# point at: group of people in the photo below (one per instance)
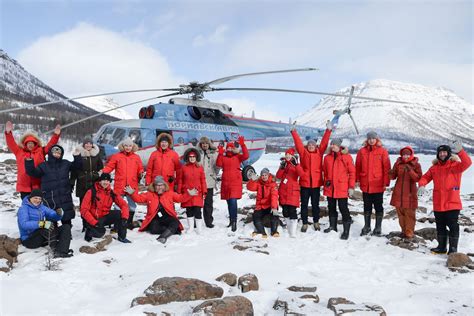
(46, 186)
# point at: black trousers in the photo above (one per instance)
(448, 219)
(208, 207)
(24, 194)
(306, 194)
(194, 211)
(258, 220)
(59, 238)
(289, 211)
(114, 217)
(343, 208)
(159, 225)
(375, 200)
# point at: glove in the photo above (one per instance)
(421, 191)
(8, 127)
(193, 192)
(76, 152)
(283, 164)
(275, 212)
(254, 177)
(220, 149)
(457, 146)
(170, 179)
(45, 224)
(59, 211)
(241, 140)
(351, 192)
(129, 190)
(293, 161)
(329, 125)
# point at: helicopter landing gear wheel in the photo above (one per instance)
(247, 173)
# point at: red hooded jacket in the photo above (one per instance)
(289, 190)
(339, 173)
(163, 163)
(192, 176)
(372, 167)
(231, 186)
(267, 193)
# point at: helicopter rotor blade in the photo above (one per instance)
(84, 97)
(308, 92)
(115, 108)
(353, 122)
(225, 79)
(351, 94)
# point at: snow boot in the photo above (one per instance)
(441, 249)
(190, 225)
(230, 223)
(332, 225)
(378, 225)
(199, 226)
(453, 245)
(130, 221)
(164, 236)
(62, 255)
(317, 227)
(124, 240)
(259, 229)
(304, 228)
(233, 224)
(292, 226)
(274, 227)
(366, 229)
(347, 228)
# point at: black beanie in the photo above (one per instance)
(105, 176)
(443, 148)
(36, 192)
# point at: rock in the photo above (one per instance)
(100, 246)
(422, 209)
(8, 251)
(357, 196)
(428, 233)
(342, 306)
(333, 301)
(468, 230)
(391, 214)
(458, 260)
(177, 289)
(315, 298)
(295, 288)
(280, 305)
(248, 282)
(430, 220)
(10, 162)
(230, 305)
(228, 278)
(465, 221)
(404, 243)
(394, 234)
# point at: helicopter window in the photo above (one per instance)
(195, 112)
(106, 135)
(119, 134)
(180, 140)
(135, 135)
(194, 141)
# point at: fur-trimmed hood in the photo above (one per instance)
(162, 136)
(344, 150)
(205, 140)
(151, 187)
(378, 143)
(185, 156)
(88, 153)
(453, 157)
(121, 149)
(29, 136)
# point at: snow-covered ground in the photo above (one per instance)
(361, 269)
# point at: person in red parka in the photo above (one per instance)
(231, 186)
(192, 177)
(446, 173)
(96, 210)
(161, 217)
(372, 167)
(29, 147)
(128, 171)
(267, 202)
(339, 182)
(407, 172)
(289, 189)
(164, 161)
(311, 158)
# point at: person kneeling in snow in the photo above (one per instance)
(161, 217)
(339, 181)
(37, 227)
(96, 210)
(446, 173)
(267, 202)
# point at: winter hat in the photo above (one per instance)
(127, 142)
(56, 149)
(36, 192)
(372, 135)
(105, 176)
(290, 151)
(159, 180)
(443, 148)
(87, 140)
(192, 154)
(336, 141)
(264, 171)
(311, 142)
(230, 145)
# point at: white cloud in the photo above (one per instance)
(218, 36)
(88, 59)
(245, 107)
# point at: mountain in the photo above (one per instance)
(104, 103)
(19, 88)
(433, 116)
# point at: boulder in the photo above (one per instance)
(430, 220)
(343, 306)
(315, 298)
(405, 243)
(228, 278)
(8, 251)
(458, 262)
(357, 196)
(428, 233)
(297, 288)
(248, 282)
(100, 246)
(230, 305)
(177, 289)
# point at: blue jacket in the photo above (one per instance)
(30, 215)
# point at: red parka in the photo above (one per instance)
(91, 211)
(372, 167)
(339, 173)
(311, 162)
(267, 193)
(193, 177)
(153, 202)
(446, 178)
(25, 183)
(231, 186)
(128, 168)
(289, 189)
(407, 173)
(163, 163)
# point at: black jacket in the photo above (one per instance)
(84, 178)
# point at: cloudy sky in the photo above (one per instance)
(92, 46)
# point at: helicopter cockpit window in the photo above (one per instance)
(135, 135)
(119, 134)
(106, 135)
(180, 140)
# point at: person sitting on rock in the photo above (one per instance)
(161, 217)
(29, 147)
(267, 202)
(446, 173)
(38, 227)
(96, 210)
(407, 172)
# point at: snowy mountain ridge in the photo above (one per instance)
(433, 116)
(104, 103)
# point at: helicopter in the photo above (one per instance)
(188, 119)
